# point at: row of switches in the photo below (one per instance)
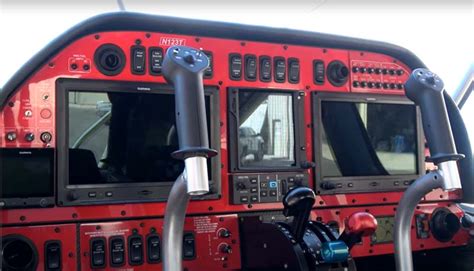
(135, 250)
(281, 68)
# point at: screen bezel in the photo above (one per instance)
(357, 184)
(124, 192)
(37, 200)
(299, 130)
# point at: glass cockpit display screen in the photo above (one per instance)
(368, 139)
(266, 129)
(26, 173)
(123, 137)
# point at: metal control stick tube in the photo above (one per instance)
(173, 227)
(183, 67)
(196, 175)
(405, 211)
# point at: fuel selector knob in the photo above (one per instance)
(225, 248)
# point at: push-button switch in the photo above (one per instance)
(293, 70)
(156, 60)
(97, 253)
(138, 59)
(153, 248)
(250, 68)
(265, 69)
(135, 250)
(117, 251)
(280, 69)
(235, 67)
(189, 246)
(52, 256)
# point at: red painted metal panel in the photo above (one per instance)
(32, 109)
(39, 235)
(204, 228)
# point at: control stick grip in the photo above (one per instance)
(426, 89)
(183, 67)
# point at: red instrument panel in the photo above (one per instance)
(32, 108)
(40, 237)
(209, 243)
(29, 121)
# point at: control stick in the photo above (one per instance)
(356, 226)
(183, 67)
(298, 203)
(426, 90)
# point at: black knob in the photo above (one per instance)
(338, 73)
(444, 225)
(10, 136)
(467, 220)
(72, 196)
(378, 70)
(29, 137)
(307, 164)
(189, 59)
(355, 84)
(363, 84)
(298, 203)
(241, 186)
(370, 84)
(223, 233)
(225, 248)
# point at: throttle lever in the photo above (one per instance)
(298, 203)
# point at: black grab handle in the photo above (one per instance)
(183, 67)
(426, 90)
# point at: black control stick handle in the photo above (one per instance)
(298, 203)
(184, 67)
(426, 89)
